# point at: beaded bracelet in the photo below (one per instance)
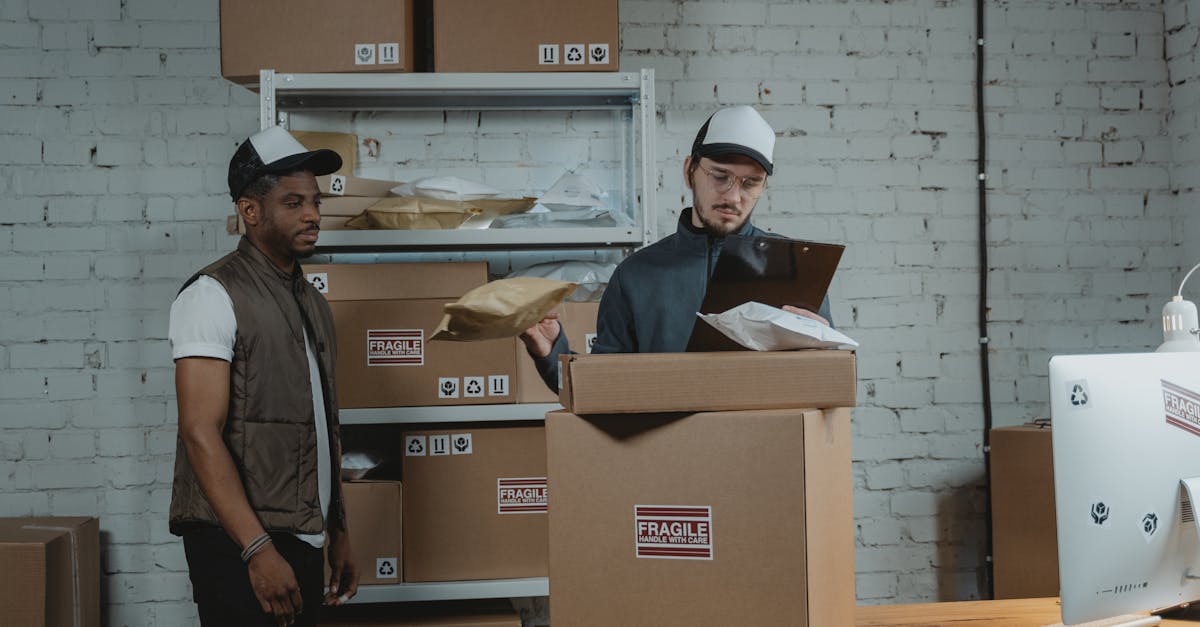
(254, 546)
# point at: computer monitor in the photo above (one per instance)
(1126, 431)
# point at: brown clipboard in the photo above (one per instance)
(772, 270)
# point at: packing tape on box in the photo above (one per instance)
(75, 593)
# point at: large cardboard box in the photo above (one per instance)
(51, 572)
(525, 36)
(1024, 531)
(475, 503)
(716, 518)
(359, 36)
(663, 382)
(385, 314)
(374, 514)
(579, 323)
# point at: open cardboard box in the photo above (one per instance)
(735, 380)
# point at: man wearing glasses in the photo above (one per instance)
(651, 301)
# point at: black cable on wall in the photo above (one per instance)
(984, 371)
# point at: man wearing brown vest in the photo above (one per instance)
(256, 494)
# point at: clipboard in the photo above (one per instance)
(772, 270)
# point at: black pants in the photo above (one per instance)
(221, 582)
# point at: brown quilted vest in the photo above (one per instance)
(270, 430)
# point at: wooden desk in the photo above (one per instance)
(1002, 613)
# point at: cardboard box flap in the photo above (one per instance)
(396, 281)
(345, 144)
(688, 382)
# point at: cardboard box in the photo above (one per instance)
(345, 144)
(579, 323)
(1024, 532)
(525, 36)
(662, 382)
(374, 514)
(340, 185)
(235, 226)
(721, 518)
(363, 36)
(475, 503)
(51, 573)
(384, 315)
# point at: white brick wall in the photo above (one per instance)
(116, 128)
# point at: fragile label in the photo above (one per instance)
(522, 495)
(395, 347)
(1182, 407)
(680, 532)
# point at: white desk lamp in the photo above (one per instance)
(1181, 325)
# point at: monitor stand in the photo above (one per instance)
(1124, 620)
(1191, 491)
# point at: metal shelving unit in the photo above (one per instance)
(630, 93)
(446, 413)
(453, 590)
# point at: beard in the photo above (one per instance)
(278, 239)
(714, 224)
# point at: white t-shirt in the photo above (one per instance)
(203, 325)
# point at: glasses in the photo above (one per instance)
(722, 181)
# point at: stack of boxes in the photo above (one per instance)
(703, 489)
(469, 500)
(726, 474)
(416, 35)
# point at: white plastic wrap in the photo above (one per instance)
(764, 328)
(591, 277)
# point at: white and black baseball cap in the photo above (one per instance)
(275, 151)
(736, 131)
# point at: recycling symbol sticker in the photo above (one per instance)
(1078, 393)
(447, 387)
(319, 280)
(385, 567)
(337, 185)
(573, 54)
(473, 387)
(414, 446)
